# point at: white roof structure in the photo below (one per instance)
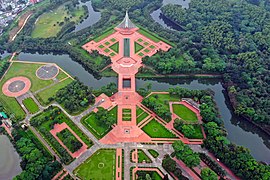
(126, 23)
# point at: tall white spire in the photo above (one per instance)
(126, 23)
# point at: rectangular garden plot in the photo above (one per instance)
(68, 139)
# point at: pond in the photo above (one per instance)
(92, 18)
(239, 131)
(165, 22)
(9, 159)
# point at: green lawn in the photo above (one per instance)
(48, 24)
(107, 43)
(139, 111)
(104, 35)
(146, 50)
(149, 35)
(100, 165)
(91, 123)
(184, 113)
(141, 54)
(126, 114)
(156, 130)
(154, 153)
(154, 37)
(164, 100)
(115, 47)
(61, 75)
(141, 117)
(101, 46)
(44, 95)
(142, 157)
(107, 50)
(197, 134)
(138, 47)
(30, 105)
(21, 69)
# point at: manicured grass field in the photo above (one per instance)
(154, 153)
(100, 165)
(142, 157)
(48, 24)
(104, 35)
(164, 100)
(101, 46)
(30, 105)
(149, 35)
(69, 140)
(198, 132)
(44, 95)
(115, 47)
(184, 113)
(141, 54)
(107, 50)
(138, 47)
(156, 130)
(126, 114)
(61, 75)
(138, 111)
(91, 123)
(141, 117)
(21, 69)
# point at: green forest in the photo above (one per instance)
(238, 33)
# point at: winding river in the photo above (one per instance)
(9, 159)
(92, 18)
(162, 20)
(239, 131)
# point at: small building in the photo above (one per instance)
(3, 115)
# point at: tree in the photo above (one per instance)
(208, 174)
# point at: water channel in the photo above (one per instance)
(9, 159)
(92, 18)
(162, 20)
(239, 131)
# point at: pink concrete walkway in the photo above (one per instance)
(60, 127)
(119, 164)
(26, 88)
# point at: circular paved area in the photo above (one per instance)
(16, 86)
(47, 72)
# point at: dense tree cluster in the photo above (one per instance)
(34, 164)
(185, 153)
(109, 90)
(4, 64)
(105, 118)
(236, 157)
(55, 115)
(239, 32)
(75, 96)
(157, 108)
(170, 165)
(212, 164)
(69, 140)
(208, 174)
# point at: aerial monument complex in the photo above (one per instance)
(78, 140)
(126, 64)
